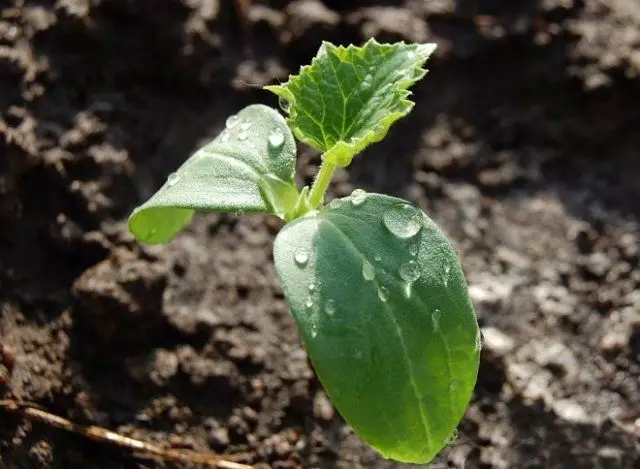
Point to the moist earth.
(523, 145)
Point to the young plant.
(376, 290)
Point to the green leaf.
(349, 97)
(249, 167)
(382, 306)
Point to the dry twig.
(101, 435)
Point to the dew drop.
(276, 138)
(368, 272)
(173, 179)
(301, 257)
(404, 221)
(314, 332)
(358, 197)
(242, 136)
(245, 126)
(411, 55)
(232, 121)
(378, 258)
(413, 249)
(309, 303)
(312, 286)
(284, 104)
(451, 439)
(409, 271)
(435, 318)
(330, 307)
(366, 82)
(479, 341)
(383, 294)
(445, 277)
(335, 204)
(224, 136)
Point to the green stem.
(320, 185)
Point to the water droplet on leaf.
(330, 307)
(284, 104)
(435, 318)
(451, 439)
(383, 294)
(276, 138)
(409, 271)
(358, 197)
(335, 204)
(224, 136)
(312, 286)
(173, 179)
(378, 257)
(368, 272)
(479, 341)
(301, 257)
(309, 303)
(404, 221)
(242, 136)
(245, 126)
(232, 121)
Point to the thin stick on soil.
(101, 435)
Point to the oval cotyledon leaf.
(382, 307)
(249, 167)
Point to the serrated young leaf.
(249, 167)
(349, 96)
(382, 307)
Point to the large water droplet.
(358, 197)
(245, 126)
(451, 439)
(330, 307)
(276, 138)
(435, 319)
(301, 257)
(409, 271)
(403, 220)
(335, 204)
(173, 179)
(368, 272)
(242, 136)
(383, 294)
(232, 121)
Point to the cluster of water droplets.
(235, 124)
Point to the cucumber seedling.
(376, 289)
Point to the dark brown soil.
(524, 145)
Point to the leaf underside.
(397, 357)
(249, 167)
(349, 96)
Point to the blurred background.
(524, 145)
